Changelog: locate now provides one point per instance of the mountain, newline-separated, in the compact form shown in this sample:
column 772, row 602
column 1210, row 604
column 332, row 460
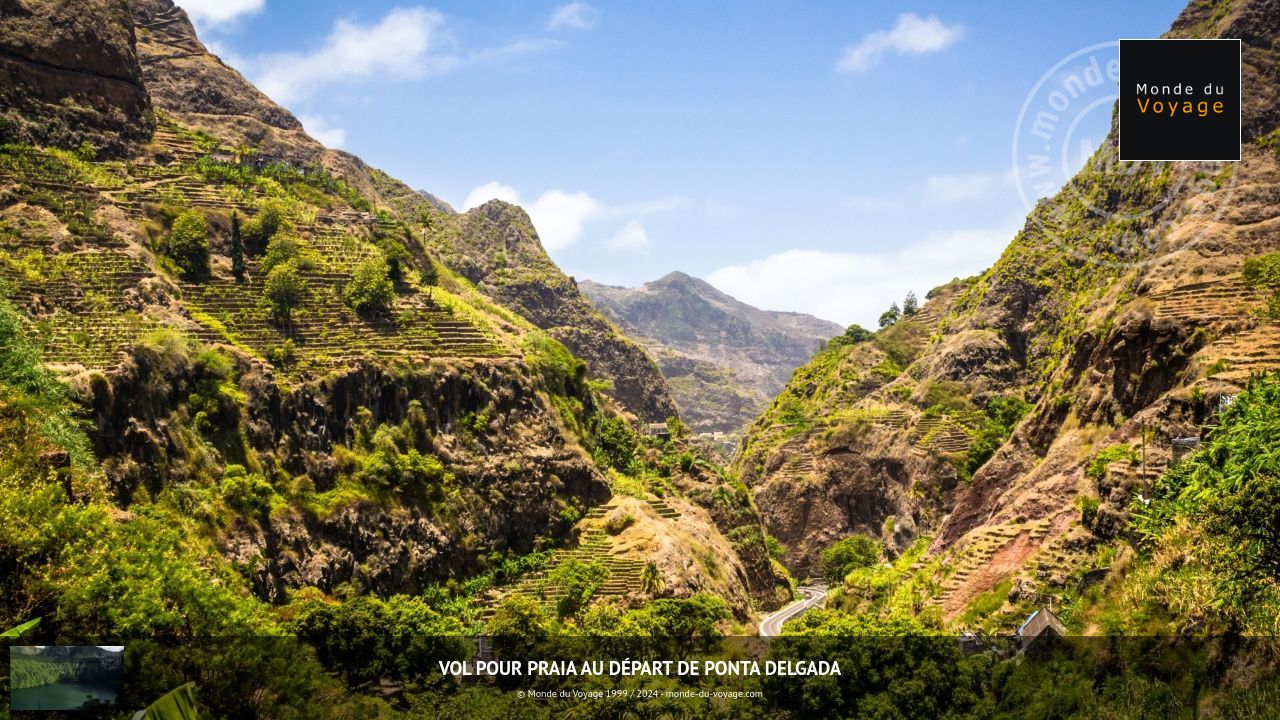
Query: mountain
column 724, row 359
column 241, row 373
column 1004, row 432
column 496, row 247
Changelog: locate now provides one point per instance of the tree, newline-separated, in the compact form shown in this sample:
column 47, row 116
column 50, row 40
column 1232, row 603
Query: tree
column 237, row 248
column 284, row 289
column 689, row 625
column 188, row 244
column 579, row 581
column 396, row 255
column 263, row 227
column 651, row 579
column 283, row 248
column 910, row 306
column 890, row 316
column 853, row 552
column 428, row 274
column 1263, row 273
column 370, row 289
column 853, row 335
column 518, row 625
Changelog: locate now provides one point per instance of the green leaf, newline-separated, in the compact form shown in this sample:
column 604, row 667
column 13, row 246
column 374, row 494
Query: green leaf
column 20, row 630
column 177, row 704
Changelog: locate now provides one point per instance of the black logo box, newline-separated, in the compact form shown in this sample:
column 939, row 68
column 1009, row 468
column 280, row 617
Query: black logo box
column 1181, row 64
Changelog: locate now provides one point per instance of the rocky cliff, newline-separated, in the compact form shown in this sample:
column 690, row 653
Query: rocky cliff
column 316, row 442
column 1014, row 418
column 69, row 74
column 724, row 359
column 496, row 247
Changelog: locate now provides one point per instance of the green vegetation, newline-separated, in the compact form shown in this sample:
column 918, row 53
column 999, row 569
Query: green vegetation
column 284, row 289
column 890, row 316
column 852, row 335
column 1263, row 273
column 1002, row 414
column 237, row 248
column 370, row 290
column 367, row 638
column 188, row 244
column 1096, row 470
column 579, row 581
column 848, row 554
column 247, row 492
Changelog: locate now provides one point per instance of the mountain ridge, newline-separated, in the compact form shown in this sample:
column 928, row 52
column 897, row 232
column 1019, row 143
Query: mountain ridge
column 723, row 358
column 997, row 423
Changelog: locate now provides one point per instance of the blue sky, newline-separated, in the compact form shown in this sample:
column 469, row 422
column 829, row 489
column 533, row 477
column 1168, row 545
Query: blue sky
column 820, row 157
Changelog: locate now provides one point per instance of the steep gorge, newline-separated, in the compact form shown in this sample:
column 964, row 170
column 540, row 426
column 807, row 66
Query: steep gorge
column 1114, row 354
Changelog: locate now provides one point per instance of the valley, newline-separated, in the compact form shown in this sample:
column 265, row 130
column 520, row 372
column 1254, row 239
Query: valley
column 301, row 438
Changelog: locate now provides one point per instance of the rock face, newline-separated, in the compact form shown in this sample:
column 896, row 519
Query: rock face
column 496, row 247
column 723, row 358
column 1108, row 350
column 342, row 450
column 69, row 74
column 513, row 477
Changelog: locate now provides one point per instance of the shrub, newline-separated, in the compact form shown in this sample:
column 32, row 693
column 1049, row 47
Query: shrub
column 396, row 255
column 579, row 580
column 1097, row 468
column 617, row 523
column 262, row 228
column 1263, row 273
column 429, row 274
column 287, row 247
column 188, row 244
column 284, row 354
column 845, row 556
column 284, row 289
column 248, row 493
column 615, row 443
column 370, row 289
column 853, row 335
column 1002, row 415
column 367, row 638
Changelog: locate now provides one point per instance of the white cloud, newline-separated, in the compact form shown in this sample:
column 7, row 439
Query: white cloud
column 851, row 287
column 631, row 236
column 558, row 216
column 400, row 45
column 911, row 35
column 491, row 191
column 209, row 13
column 320, row 129
column 574, row 15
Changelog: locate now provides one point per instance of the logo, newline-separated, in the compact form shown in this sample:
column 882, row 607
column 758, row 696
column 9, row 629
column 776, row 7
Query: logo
column 1179, row 100
column 1116, row 212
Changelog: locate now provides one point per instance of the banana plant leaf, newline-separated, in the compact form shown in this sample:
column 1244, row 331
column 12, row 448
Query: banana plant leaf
column 19, row 631
column 177, row 704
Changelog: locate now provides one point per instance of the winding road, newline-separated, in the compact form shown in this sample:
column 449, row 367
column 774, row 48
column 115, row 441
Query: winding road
column 812, row 596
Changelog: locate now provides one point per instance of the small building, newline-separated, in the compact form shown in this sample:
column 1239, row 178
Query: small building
column 1183, row 445
column 658, row 430
column 1040, row 625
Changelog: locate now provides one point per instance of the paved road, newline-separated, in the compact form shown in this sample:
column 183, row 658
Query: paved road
column 811, row 597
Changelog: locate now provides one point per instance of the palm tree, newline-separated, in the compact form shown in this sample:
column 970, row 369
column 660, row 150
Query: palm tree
column 651, row 579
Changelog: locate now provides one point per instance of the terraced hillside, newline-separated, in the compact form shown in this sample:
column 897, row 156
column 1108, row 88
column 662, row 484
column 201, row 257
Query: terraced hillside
column 1016, row 417
column 95, row 287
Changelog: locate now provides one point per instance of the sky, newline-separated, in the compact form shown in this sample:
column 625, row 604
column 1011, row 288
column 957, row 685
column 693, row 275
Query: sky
column 820, row 157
